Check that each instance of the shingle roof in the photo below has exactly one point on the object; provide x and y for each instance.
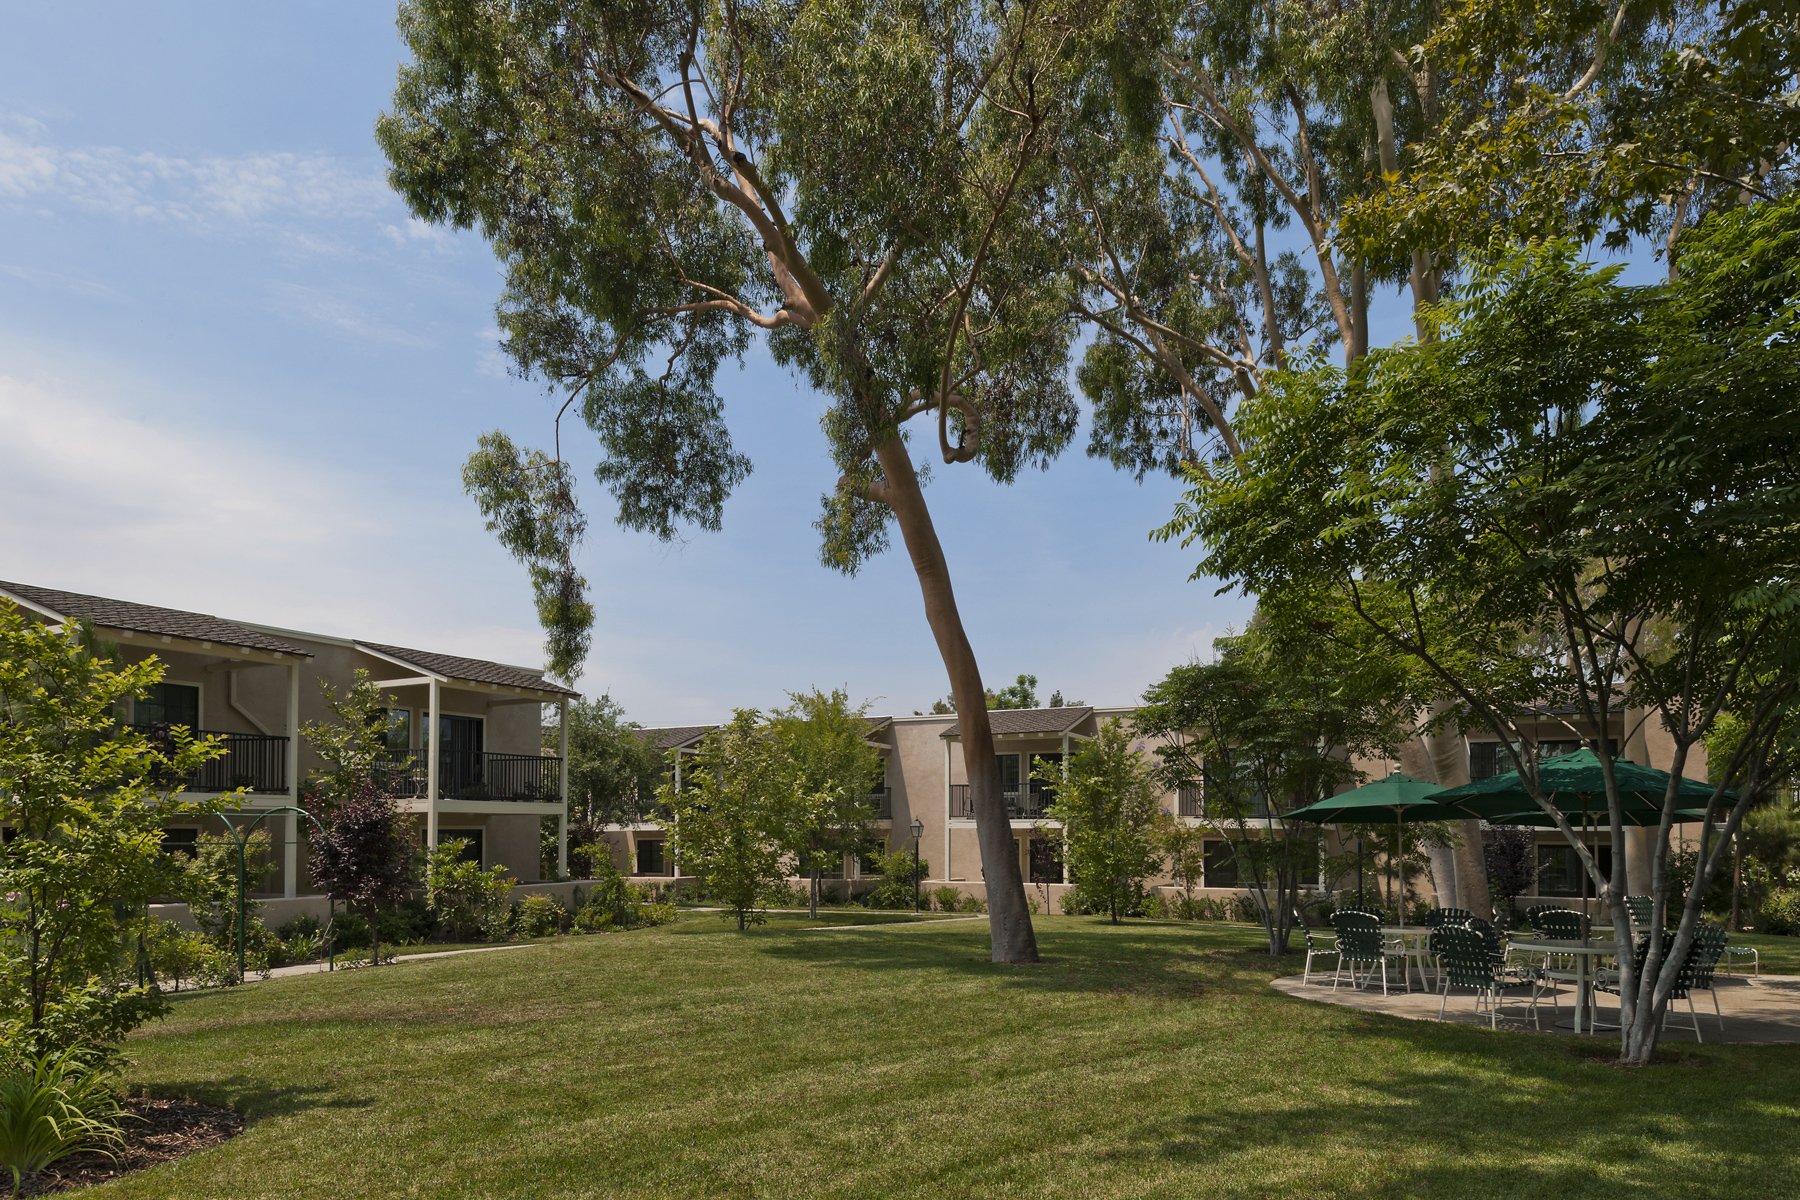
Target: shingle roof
(672, 736)
(474, 670)
(1017, 722)
(147, 618)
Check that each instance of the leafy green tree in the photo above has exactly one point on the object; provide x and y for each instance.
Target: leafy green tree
(1183, 847)
(84, 802)
(1269, 726)
(730, 822)
(862, 184)
(366, 854)
(823, 745)
(467, 900)
(613, 777)
(1107, 805)
(1580, 493)
(350, 744)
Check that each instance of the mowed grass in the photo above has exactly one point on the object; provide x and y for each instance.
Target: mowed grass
(1147, 1060)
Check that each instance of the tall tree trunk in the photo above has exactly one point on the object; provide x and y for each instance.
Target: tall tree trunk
(1009, 917)
(812, 906)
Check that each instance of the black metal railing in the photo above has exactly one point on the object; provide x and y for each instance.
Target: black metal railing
(1026, 805)
(257, 761)
(474, 775)
(1189, 801)
(881, 800)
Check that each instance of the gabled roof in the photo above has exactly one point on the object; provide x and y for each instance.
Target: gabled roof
(473, 670)
(146, 618)
(1023, 722)
(675, 737)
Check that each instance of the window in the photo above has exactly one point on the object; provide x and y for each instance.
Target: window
(1559, 870)
(1488, 759)
(1046, 860)
(1219, 867)
(1009, 772)
(183, 841)
(397, 728)
(170, 704)
(650, 858)
(474, 852)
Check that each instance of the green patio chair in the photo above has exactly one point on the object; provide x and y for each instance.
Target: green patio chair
(1711, 939)
(1684, 978)
(1360, 941)
(1510, 973)
(1464, 961)
(1734, 956)
(1319, 942)
(1642, 910)
(1437, 918)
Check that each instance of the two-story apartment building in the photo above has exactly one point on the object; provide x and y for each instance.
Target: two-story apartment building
(465, 735)
(924, 781)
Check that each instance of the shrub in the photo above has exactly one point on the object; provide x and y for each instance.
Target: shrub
(174, 953)
(52, 1106)
(1780, 912)
(299, 927)
(468, 901)
(1129, 899)
(945, 899)
(539, 916)
(655, 914)
(971, 904)
(894, 888)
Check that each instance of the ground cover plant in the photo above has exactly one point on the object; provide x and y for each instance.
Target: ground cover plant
(1139, 1060)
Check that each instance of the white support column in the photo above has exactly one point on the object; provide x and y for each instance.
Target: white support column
(1065, 824)
(290, 859)
(562, 818)
(673, 863)
(944, 871)
(431, 765)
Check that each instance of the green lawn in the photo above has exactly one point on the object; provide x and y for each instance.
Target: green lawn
(1150, 1060)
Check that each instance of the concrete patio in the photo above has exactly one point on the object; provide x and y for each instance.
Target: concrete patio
(1757, 1011)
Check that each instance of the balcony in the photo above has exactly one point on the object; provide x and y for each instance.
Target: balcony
(474, 775)
(1026, 806)
(255, 761)
(881, 801)
(1188, 801)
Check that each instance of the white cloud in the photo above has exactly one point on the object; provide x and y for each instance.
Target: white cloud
(490, 361)
(341, 313)
(37, 277)
(436, 238)
(213, 191)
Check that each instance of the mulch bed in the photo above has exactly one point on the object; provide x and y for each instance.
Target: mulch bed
(157, 1131)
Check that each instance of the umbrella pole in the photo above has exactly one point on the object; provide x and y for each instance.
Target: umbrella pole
(1399, 863)
(1359, 872)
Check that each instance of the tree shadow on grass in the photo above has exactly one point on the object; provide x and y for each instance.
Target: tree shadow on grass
(1143, 957)
(256, 1099)
(1497, 1123)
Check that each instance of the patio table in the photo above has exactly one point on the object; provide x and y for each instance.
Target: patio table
(1413, 938)
(1586, 955)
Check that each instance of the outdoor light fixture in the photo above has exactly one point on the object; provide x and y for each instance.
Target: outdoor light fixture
(918, 831)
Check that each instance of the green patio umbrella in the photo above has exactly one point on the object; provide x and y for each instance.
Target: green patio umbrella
(1391, 801)
(1575, 785)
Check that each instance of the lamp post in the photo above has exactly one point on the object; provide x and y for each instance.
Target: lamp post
(918, 831)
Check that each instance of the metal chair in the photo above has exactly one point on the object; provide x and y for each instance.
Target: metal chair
(1510, 974)
(1464, 960)
(1710, 939)
(1437, 918)
(1733, 955)
(1685, 976)
(1318, 943)
(1642, 910)
(1360, 940)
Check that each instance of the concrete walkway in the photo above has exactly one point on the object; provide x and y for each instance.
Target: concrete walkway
(319, 967)
(1757, 1011)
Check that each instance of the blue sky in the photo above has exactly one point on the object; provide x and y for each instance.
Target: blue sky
(235, 376)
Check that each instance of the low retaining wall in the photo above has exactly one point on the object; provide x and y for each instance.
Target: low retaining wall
(278, 911)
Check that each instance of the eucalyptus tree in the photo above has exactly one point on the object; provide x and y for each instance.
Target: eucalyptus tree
(1311, 156)
(862, 184)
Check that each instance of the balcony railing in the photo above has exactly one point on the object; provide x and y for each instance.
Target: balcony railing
(881, 800)
(257, 761)
(475, 775)
(1188, 802)
(1028, 805)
